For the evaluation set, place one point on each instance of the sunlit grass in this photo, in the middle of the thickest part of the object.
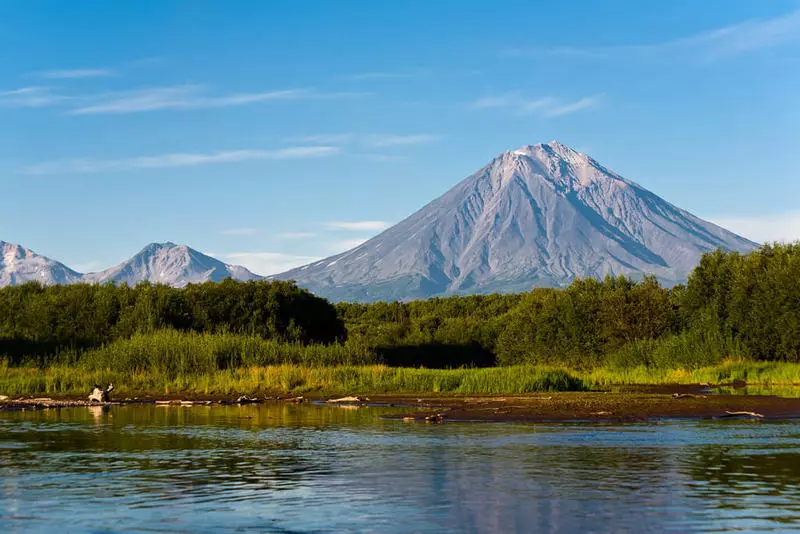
(291, 379)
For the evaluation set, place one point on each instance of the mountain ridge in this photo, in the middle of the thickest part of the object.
(165, 263)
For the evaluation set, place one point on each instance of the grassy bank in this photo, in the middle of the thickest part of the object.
(293, 379)
(754, 373)
(290, 379)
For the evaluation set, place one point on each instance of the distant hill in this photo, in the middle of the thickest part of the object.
(541, 215)
(164, 263)
(173, 265)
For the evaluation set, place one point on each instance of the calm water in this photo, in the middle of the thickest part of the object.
(329, 469)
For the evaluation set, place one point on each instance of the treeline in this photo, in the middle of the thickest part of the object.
(733, 305)
(38, 321)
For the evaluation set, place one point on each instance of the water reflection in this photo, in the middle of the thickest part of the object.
(303, 468)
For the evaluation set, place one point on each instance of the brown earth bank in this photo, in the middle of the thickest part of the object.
(627, 405)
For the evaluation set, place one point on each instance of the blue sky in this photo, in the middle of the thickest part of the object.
(270, 134)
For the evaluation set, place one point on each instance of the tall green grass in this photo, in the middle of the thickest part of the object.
(289, 379)
(176, 354)
(728, 371)
(691, 349)
(374, 379)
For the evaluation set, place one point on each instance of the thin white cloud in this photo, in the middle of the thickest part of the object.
(547, 106)
(296, 235)
(76, 73)
(30, 97)
(88, 267)
(88, 165)
(381, 158)
(368, 140)
(352, 226)
(387, 75)
(189, 97)
(730, 40)
(346, 244)
(325, 138)
(267, 263)
(572, 107)
(764, 228)
(392, 140)
(240, 232)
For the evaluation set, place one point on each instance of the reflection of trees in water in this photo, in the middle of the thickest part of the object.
(176, 452)
(475, 485)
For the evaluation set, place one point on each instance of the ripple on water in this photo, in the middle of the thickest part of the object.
(317, 468)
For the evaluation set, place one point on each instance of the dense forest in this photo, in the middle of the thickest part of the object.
(733, 305)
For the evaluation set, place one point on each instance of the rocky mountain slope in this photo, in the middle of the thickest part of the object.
(19, 265)
(541, 215)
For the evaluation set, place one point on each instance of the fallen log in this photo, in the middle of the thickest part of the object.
(742, 414)
(246, 399)
(688, 396)
(347, 400)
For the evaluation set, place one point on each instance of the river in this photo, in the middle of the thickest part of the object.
(313, 468)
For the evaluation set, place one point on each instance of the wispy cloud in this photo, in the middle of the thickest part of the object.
(369, 140)
(730, 40)
(190, 97)
(296, 235)
(346, 244)
(267, 263)
(387, 75)
(391, 140)
(240, 232)
(76, 73)
(764, 228)
(572, 107)
(88, 165)
(547, 106)
(30, 97)
(356, 225)
(325, 138)
(381, 158)
(183, 97)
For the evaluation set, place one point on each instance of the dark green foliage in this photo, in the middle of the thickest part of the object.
(37, 321)
(752, 299)
(732, 306)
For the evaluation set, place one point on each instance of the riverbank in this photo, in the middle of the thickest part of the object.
(686, 402)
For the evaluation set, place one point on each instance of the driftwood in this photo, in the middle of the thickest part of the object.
(438, 418)
(688, 396)
(602, 413)
(741, 414)
(100, 395)
(347, 400)
(246, 399)
(175, 402)
(3, 398)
